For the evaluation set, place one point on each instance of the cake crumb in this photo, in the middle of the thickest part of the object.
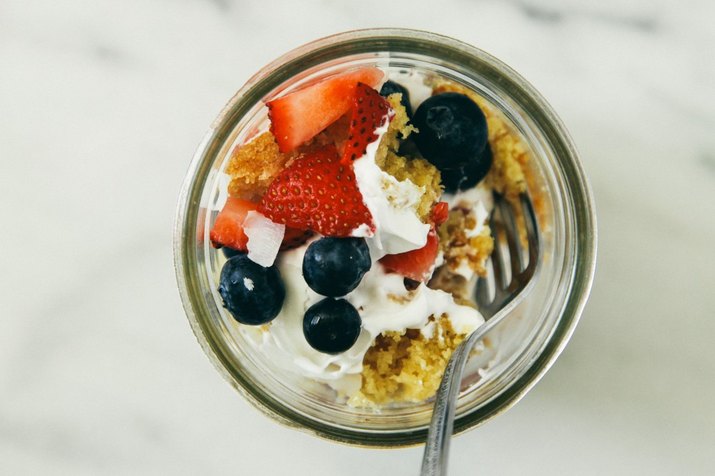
(461, 249)
(416, 170)
(407, 367)
(421, 173)
(253, 166)
(399, 129)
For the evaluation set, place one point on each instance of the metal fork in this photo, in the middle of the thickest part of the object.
(507, 287)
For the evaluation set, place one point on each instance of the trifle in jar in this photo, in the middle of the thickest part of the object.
(336, 220)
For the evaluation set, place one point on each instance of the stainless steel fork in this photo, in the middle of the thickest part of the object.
(510, 282)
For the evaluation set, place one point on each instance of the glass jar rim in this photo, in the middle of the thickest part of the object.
(369, 41)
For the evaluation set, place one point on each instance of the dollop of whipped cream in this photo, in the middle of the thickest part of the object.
(392, 204)
(383, 304)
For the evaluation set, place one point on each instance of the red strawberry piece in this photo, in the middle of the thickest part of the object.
(228, 226)
(416, 264)
(294, 238)
(300, 115)
(316, 192)
(369, 111)
(440, 213)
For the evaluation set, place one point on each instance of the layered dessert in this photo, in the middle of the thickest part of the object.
(356, 225)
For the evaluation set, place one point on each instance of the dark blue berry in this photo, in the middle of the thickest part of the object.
(452, 130)
(391, 87)
(334, 266)
(230, 252)
(251, 293)
(331, 325)
(468, 176)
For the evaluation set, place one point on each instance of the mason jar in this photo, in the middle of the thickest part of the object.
(526, 343)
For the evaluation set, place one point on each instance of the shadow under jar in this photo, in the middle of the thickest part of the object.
(525, 344)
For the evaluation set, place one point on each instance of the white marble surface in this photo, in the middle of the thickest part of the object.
(101, 105)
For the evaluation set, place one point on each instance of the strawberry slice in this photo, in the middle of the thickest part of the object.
(416, 264)
(440, 213)
(300, 115)
(228, 227)
(316, 192)
(369, 112)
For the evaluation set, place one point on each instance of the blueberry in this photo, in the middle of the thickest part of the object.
(468, 176)
(452, 130)
(391, 87)
(334, 266)
(251, 293)
(230, 252)
(331, 325)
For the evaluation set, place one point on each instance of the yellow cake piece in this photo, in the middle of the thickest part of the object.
(421, 173)
(253, 166)
(407, 367)
(417, 170)
(459, 248)
(398, 129)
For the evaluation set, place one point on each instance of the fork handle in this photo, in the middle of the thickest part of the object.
(434, 460)
(439, 435)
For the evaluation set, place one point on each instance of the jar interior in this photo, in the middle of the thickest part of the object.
(517, 342)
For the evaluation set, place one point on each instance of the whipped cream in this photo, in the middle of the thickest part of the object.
(392, 204)
(383, 304)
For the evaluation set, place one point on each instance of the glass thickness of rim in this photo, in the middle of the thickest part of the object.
(565, 278)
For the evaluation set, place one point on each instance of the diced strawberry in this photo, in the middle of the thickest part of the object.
(316, 192)
(440, 213)
(228, 227)
(369, 112)
(300, 115)
(416, 264)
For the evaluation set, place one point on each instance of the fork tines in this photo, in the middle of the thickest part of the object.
(515, 256)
